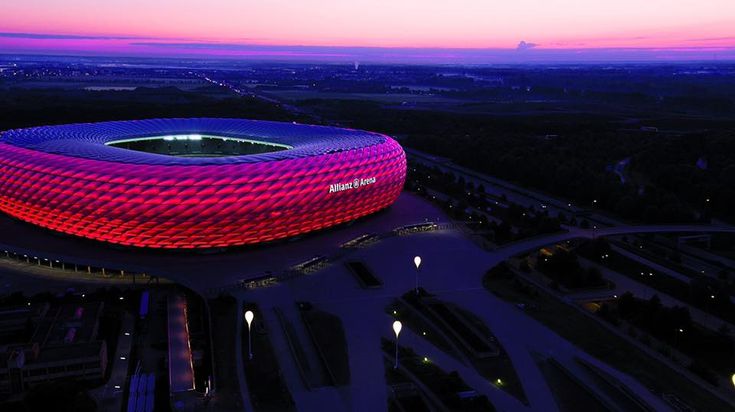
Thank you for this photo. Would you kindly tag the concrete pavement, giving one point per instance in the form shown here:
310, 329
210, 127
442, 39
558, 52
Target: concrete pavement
453, 268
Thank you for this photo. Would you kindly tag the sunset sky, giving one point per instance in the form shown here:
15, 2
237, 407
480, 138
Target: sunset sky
244, 27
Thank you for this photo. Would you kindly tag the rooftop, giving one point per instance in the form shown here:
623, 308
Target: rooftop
120, 141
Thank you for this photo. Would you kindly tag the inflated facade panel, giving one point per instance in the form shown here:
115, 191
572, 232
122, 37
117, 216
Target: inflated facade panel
67, 179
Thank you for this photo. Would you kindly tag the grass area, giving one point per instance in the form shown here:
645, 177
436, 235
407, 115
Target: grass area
479, 338
406, 395
313, 375
224, 317
364, 275
570, 396
711, 352
595, 339
268, 391
621, 395
446, 386
408, 316
295, 95
450, 317
328, 335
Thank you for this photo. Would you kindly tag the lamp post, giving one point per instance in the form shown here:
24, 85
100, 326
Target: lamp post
249, 319
397, 329
417, 263
676, 340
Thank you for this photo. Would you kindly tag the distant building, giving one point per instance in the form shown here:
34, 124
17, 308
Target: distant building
41, 343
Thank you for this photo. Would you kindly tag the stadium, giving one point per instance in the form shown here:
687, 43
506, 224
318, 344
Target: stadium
195, 183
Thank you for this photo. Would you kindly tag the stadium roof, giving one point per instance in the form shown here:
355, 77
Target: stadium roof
91, 140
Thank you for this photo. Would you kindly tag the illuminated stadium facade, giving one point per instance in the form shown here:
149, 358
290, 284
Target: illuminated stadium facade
195, 183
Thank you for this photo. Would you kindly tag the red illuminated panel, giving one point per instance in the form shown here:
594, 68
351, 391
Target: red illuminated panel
198, 205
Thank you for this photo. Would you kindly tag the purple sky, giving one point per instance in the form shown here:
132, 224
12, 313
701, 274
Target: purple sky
468, 31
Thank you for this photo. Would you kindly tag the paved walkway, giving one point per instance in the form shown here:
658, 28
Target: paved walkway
247, 403
110, 396
453, 268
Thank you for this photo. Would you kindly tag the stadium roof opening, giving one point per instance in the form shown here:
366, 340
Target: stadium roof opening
198, 145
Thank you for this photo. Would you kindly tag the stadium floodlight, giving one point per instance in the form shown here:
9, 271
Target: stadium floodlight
397, 325
249, 319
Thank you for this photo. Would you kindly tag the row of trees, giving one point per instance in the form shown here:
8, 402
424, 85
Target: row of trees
563, 267
498, 219
673, 325
667, 179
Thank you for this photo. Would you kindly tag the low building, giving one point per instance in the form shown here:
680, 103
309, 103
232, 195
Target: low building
63, 344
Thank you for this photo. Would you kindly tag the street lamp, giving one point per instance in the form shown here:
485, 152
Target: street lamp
249, 319
397, 329
676, 339
417, 263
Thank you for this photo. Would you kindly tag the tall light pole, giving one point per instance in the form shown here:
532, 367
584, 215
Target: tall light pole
397, 329
249, 319
417, 263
